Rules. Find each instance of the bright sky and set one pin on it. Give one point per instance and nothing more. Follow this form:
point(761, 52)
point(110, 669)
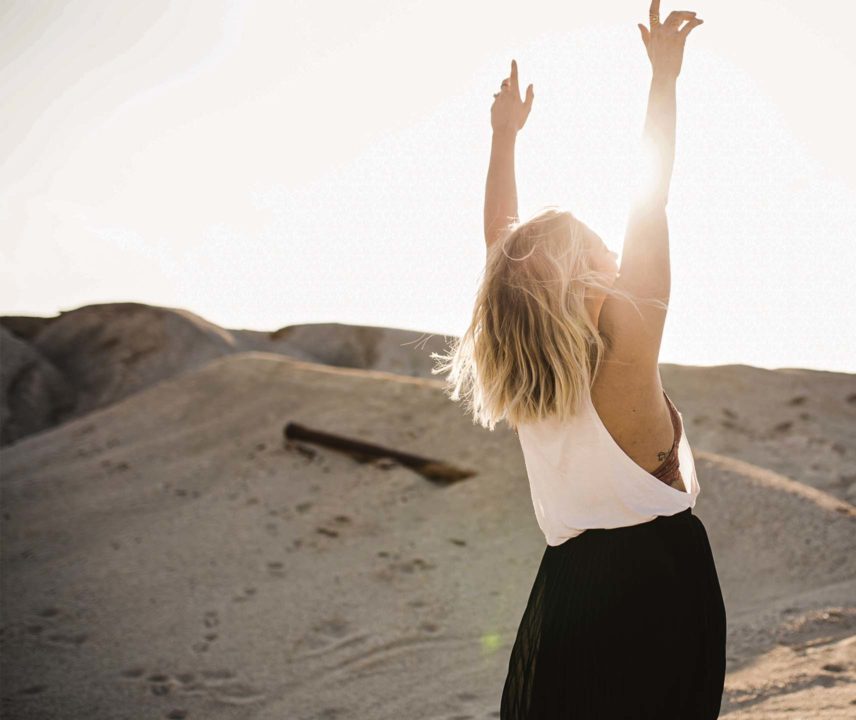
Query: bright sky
point(271, 163)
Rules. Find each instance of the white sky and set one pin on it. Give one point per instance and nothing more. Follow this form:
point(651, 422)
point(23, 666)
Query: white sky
point(270, 163)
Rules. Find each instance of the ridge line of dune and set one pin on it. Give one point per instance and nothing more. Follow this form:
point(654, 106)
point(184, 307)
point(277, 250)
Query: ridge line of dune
point(773, 479)
point(321, 367)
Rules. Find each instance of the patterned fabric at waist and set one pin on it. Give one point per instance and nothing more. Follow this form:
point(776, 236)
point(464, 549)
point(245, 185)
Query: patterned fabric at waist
point(668, 471)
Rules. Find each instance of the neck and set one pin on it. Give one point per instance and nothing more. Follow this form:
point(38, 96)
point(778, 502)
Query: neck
point(593, 305)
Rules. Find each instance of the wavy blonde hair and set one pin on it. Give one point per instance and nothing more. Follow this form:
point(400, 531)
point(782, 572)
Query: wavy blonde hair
point(531, 349)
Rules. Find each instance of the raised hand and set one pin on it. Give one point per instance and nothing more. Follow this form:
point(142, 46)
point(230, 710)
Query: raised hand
point(509, 112)
point(665, 42)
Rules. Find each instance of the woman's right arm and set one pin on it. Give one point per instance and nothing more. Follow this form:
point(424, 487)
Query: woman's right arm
point(658, 140)
point(645, 270)
point(664, 44)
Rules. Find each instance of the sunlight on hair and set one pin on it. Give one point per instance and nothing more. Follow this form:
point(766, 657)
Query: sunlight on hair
point(532, 350)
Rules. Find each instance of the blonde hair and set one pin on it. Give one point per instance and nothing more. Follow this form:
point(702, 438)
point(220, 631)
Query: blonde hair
point(531, 349)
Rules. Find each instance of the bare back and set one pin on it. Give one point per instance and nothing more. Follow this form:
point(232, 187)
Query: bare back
point(629, 400)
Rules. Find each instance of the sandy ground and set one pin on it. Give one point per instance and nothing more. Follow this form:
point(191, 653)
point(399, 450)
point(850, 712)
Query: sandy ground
point(172, 556)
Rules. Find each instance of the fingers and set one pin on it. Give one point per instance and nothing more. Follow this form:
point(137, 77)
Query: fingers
point(683, 32)
point(645, 34)
point(676, 17)
point(514, 84)
point(655, 8)
point(530, 96)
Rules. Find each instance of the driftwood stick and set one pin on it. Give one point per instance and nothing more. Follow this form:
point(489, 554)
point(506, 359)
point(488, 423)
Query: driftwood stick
point(363, 452)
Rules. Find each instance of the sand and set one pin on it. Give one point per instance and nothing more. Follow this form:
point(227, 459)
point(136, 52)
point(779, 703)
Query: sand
point(167, 553)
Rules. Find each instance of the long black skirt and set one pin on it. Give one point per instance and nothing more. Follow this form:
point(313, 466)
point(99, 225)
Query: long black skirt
point(622, 624)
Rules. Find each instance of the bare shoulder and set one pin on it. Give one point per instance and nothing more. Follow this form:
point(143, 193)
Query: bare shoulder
point(635, 331)
point(645, 274)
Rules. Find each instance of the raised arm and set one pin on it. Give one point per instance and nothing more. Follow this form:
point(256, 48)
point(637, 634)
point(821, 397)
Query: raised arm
point(664, 44)
point(645, 269)
point(508, 115)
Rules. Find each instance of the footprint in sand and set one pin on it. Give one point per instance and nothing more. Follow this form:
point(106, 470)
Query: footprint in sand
point(237, 693)
point(221, 685)
point(330, 713)
point(410, 566)
point(327, 633)
point(406, 567)
point(158, 683)
point(276, 567)
point(783, 426)
point(335, 627)
point(57, 637)
point(248, 593)
point(33, 690)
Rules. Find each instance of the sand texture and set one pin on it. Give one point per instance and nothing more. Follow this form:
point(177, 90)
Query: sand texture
point(168, 553)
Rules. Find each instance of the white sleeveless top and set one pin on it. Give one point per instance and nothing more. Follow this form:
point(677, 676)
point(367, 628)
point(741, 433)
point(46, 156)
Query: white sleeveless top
point(580, 478)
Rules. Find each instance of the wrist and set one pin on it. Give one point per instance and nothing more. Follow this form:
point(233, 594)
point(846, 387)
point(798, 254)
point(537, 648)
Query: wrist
point(663, 78)
point(505, 135)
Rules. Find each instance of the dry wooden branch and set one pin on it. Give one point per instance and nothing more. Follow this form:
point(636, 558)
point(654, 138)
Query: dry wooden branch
point(361, 451)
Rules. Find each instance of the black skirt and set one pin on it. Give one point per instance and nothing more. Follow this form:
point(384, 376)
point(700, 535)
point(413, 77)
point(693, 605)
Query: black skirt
point(622, 624)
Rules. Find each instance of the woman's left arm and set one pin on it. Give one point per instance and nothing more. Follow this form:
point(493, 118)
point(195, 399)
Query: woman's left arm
point(508, 115)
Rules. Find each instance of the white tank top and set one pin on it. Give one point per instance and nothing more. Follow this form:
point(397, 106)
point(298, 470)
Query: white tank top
point(580, 478)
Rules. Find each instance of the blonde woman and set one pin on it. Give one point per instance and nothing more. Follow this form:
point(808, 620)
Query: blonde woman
point(625, 619)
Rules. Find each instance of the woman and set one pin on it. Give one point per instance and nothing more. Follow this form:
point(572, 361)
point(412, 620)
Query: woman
point(625, 618)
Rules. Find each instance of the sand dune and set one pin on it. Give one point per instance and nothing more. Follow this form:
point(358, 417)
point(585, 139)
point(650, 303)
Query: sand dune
point(62, 367)
point(169, 554)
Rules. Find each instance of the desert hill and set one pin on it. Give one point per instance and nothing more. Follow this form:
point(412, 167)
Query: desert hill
point(63, 367)
point(169, 553)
